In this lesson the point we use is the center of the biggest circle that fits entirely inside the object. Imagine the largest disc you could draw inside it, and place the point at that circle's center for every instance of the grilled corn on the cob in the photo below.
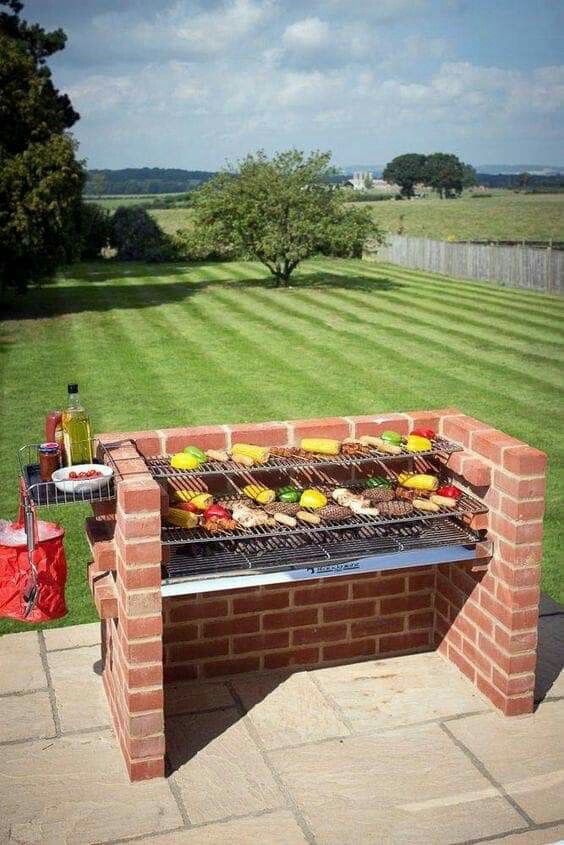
(321, 445)
(259, 454)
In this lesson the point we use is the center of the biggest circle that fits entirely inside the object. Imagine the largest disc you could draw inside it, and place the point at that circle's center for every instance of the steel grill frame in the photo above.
(195, 553)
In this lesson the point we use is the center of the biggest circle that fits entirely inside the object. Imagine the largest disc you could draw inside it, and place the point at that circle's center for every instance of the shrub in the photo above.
(138, 237)
(95, 229)
(198, 244)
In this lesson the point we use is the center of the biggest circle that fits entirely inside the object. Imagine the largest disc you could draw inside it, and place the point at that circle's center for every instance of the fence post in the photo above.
(549, 266)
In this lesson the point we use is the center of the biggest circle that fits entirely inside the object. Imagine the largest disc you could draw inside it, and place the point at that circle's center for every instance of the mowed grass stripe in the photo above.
(502, 322)
(461, 343)
(400, 344)
(467, 348)
(544, 305)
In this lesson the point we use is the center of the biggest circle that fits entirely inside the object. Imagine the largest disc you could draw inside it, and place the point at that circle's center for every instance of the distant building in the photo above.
(362, 180)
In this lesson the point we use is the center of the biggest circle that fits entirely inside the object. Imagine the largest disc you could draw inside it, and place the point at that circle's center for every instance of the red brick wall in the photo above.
(486, 623)
(311, 623)
(483, 619)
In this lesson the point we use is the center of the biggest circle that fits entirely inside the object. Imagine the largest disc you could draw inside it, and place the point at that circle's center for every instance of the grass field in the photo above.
(504, 216)
(114, 201)
(158, 346)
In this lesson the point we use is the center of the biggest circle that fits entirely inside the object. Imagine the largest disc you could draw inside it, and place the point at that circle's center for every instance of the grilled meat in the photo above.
(290, 508)
(378, 494)
(219, 525)
(335, 513)
(395, 508)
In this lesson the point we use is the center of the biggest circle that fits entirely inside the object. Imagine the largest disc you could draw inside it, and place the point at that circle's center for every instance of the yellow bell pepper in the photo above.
(183, 460)
(418, 481)
(259, 494)
(313, 499)
(416, 443)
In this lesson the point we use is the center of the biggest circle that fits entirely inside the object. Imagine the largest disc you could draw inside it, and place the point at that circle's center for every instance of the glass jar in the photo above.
(49, 460)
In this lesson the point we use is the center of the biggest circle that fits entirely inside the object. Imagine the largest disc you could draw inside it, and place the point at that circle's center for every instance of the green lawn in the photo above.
(504, 216)
(157, 346)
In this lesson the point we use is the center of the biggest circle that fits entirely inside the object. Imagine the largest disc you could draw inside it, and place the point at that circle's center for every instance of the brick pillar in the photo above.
(486, 617)
(133, 666)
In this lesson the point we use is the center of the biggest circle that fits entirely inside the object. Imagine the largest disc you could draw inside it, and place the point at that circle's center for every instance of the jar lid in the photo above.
(49, 447)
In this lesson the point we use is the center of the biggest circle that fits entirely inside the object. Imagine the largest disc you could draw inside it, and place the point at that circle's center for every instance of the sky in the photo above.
(198, 83)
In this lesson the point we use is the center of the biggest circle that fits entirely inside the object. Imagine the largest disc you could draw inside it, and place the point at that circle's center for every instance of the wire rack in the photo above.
(270, 553)
(160, 467)
(46, 494)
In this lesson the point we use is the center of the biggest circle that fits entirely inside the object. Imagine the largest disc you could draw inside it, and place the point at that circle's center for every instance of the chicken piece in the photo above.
(249, 517)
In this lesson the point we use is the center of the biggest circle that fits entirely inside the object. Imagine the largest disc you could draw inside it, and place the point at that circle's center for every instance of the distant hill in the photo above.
(535, 169)
(144, 180)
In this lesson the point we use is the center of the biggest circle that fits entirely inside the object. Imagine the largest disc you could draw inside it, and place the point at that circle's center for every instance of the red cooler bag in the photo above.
(32, 590)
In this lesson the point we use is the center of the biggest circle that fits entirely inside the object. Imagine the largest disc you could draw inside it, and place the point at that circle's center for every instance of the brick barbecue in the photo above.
(479, 612)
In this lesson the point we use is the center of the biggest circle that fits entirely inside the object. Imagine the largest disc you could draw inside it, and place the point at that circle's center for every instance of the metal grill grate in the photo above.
(277, 553)
(160, 467)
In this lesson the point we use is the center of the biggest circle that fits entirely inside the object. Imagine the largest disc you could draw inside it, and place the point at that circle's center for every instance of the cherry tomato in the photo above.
(73, 474)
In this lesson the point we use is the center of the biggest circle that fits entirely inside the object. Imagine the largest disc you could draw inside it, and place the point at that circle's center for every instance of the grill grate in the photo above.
(277, 553)
(160, 467)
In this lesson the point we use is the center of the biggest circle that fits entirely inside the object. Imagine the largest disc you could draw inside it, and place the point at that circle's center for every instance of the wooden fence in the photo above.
(512, 266)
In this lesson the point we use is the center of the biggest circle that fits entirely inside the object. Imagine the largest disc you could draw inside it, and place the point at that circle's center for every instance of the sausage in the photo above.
(284, 519)
(312, 518)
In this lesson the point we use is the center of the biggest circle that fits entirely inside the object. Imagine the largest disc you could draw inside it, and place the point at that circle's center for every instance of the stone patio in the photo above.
(401, 750)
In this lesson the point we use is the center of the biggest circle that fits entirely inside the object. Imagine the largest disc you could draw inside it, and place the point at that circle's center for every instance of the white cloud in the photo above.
(307, 34)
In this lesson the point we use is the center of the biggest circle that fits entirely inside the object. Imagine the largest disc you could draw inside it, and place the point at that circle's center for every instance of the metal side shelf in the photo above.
(253, 562)
(46, 494)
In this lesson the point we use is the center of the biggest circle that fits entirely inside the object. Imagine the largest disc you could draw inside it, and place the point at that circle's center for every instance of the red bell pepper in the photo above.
(216, 511)
(424, 432)
(450, 491)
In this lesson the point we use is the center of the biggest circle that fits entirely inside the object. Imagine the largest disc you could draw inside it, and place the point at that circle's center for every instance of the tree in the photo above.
(279, 211)
(137, 236)
(469, 176)
(444, 173)
(405, 171)
(523, 180)
(40, 179)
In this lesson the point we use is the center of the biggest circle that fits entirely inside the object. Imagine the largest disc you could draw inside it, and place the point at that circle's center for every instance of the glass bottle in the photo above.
(76, 431)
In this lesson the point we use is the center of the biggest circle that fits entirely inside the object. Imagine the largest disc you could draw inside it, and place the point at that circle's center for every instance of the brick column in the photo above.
(486, 617)
(133, 666)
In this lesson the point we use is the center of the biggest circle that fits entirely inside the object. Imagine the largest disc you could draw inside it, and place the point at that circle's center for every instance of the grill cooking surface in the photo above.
(277, 552)
(160, 466)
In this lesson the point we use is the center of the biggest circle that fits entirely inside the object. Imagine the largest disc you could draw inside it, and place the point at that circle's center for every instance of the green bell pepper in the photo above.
(378, 481)
(391, 437)
(196, 453)
(289, 493)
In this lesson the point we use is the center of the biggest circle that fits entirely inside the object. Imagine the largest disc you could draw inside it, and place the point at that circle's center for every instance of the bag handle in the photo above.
(27, 517)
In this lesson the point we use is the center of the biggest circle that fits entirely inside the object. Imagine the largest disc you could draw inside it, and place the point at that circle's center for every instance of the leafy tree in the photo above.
(523, 180)
(279, 211)
(40, 179)
(444, 172)
(469, 176)
(95, 229)
(406, 170)
(137, 236)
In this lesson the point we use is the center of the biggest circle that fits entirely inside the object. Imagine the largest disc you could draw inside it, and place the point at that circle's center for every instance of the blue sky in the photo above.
(193, 83)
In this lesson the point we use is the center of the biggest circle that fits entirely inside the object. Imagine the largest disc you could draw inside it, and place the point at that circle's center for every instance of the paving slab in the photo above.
(411, 785)
(192, 696)
(277, 828)
(550, 666)
(398, 691)
(72, 636)
(548, 605)
(26, 717)
(79, 691)
(547, 836)
(288, 710)
(218, 769)
(74, 790)
(525, 755)
(20, 662)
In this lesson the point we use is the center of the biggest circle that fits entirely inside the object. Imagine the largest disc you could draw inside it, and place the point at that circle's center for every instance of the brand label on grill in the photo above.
(336, 567)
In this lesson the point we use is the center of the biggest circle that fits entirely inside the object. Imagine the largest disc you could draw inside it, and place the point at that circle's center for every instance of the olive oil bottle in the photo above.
(77, 435)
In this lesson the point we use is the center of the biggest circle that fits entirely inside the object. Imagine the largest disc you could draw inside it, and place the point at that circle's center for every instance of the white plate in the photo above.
(61, 480)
